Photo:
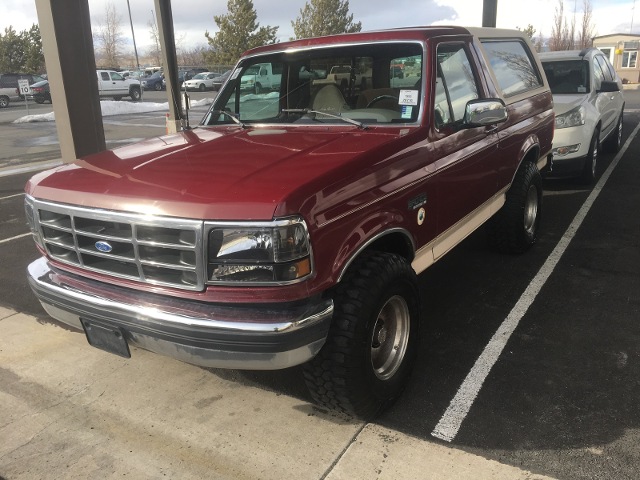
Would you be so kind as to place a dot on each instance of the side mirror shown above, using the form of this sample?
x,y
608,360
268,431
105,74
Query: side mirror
x,y
485,112
609,86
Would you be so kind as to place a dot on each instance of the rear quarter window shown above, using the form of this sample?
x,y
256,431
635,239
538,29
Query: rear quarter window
x,y
512,66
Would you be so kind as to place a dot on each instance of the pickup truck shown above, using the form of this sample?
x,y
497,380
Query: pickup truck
x,y
291,229
113,84
261,78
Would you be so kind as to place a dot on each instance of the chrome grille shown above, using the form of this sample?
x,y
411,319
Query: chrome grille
x,y
149,249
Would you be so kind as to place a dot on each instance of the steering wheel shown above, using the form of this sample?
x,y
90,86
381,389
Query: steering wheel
x,y
379,98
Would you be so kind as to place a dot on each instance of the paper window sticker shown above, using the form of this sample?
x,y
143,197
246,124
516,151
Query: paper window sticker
x,y
408,97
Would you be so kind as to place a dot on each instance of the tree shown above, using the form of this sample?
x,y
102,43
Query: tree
x,y
21,52
238,31
587,29
11,51
529,31
324,17
109,37
155,51
33,54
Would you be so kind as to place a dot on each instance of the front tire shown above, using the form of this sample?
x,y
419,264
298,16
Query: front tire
x,y
514,229
614,142
135,94
373,340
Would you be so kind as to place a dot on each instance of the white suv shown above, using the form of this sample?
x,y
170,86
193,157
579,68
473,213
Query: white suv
x,y
588,102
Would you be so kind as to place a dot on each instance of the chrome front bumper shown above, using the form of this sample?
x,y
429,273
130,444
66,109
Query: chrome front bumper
x,y
251,337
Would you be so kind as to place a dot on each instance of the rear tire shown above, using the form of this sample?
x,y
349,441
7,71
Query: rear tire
x,y
514,229
373,340
588,174
4,101
202,87
614,142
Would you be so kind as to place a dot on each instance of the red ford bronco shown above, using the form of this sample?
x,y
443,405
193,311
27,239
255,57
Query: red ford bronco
x,y
289,227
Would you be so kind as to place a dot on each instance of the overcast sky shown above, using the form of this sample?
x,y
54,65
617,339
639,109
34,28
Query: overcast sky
x,y
193,17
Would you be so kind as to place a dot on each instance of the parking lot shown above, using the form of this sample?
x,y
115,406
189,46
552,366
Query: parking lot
x,y
560,401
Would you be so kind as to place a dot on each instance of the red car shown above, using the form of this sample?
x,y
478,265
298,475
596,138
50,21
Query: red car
x,y
289,227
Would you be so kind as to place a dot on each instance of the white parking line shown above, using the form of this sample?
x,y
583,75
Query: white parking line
x,y
11,196
15,238
448,426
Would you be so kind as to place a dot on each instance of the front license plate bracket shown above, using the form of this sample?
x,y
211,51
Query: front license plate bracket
x,y
106,337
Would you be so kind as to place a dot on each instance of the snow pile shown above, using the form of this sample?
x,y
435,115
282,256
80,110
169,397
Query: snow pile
x,y
110,107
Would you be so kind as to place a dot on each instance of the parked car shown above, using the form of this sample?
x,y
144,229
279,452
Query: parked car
x,y
40,92
9,86
219,81
589,104
154,82
289,229
112,84
201,81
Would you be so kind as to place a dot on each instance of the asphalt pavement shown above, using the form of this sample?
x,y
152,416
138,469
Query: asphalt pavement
x,y
559,402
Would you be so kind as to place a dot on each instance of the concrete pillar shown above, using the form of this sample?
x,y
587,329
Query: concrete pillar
x,y
170,63
67,42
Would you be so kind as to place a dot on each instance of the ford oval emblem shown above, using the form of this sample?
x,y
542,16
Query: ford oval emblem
x,y
103,246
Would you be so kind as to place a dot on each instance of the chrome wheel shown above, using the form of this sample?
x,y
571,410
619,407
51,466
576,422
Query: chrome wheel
x,y
531,210
390,337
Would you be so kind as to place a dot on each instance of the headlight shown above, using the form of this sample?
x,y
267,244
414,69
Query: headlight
x,y
572,118
259,253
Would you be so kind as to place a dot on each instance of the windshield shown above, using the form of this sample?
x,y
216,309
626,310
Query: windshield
x,y
330,85
199,76
567,76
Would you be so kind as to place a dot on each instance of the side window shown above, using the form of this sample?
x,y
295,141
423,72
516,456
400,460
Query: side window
x,y
104,76
455,84
598,75
116,76
605,68
512,65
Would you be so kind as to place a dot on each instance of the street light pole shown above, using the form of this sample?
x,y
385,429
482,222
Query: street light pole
x,y
134,37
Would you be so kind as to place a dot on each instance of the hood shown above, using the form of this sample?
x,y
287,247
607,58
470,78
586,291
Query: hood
x,y
220,174
565,102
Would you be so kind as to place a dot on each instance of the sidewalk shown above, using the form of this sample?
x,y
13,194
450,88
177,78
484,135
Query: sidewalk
x,y
71,411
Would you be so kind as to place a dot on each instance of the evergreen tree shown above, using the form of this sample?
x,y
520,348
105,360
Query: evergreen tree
x,y
11,51
324,17
33,54
238,32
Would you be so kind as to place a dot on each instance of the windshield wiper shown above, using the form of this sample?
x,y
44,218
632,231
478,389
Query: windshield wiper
x,y
232,117
332,115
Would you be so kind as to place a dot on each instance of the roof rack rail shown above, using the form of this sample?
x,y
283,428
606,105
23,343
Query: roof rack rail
x,y
586,50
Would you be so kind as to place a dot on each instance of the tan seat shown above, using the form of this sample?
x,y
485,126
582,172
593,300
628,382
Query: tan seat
x,y
329,99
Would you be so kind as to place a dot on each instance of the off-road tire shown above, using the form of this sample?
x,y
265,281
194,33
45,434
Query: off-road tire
x,y
373,340
614,142
514,229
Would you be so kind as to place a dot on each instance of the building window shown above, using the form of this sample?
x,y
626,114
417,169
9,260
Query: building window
x,y
629,59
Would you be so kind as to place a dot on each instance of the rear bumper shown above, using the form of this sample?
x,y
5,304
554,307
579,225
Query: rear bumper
x,y
254,337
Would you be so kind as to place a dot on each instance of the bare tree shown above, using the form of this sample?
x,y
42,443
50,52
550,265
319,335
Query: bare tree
x,y
587,29
155,52
109,37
